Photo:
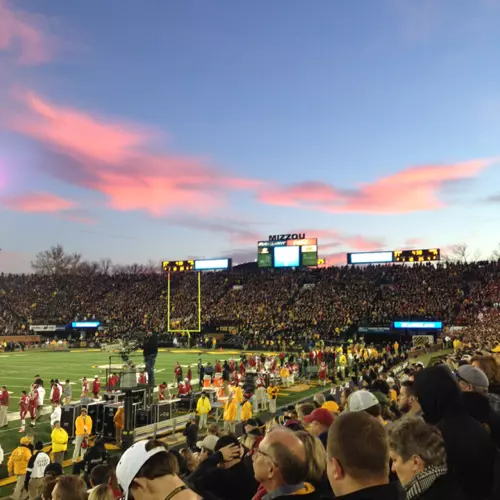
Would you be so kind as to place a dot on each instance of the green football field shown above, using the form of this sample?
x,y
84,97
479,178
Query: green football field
x,y
17,371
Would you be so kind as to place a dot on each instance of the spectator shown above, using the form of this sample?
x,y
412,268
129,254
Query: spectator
x,y
419,460
365,401
305,409
469,449
320,420
280,465
316,464
100,475
492,370
150,351
319,399
101,492
211,438
69,487
223,474
407,401
474,385
49,483
35,471
358,459
147,471
191,433
94,456
17,465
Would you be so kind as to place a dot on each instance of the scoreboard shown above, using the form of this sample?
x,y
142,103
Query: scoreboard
x,y
427,255
388,257
177,266
288,253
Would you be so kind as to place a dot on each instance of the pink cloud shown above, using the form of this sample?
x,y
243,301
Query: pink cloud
x,y
113,158
410,190
331,238
412,242
25,34
38,203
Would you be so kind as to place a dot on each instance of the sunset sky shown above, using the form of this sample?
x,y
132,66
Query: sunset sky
x,y
175,129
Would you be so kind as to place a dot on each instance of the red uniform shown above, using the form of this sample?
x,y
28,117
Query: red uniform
x,y
182,390
190,375
242,368
251,362
188,387
142,379
33,403
161,392
113,382
56,394
96,387
218,367
4,398
85,388
232,366
322,371
24,404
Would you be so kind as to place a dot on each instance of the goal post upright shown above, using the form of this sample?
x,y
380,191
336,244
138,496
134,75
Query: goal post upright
x,y
198,330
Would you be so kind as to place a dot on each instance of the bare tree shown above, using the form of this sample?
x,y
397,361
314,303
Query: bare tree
x,y
89,268
458,253
495,255
56,261
152,267
105,265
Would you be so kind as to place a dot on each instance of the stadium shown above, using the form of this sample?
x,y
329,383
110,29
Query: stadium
x,y
249,250
283,321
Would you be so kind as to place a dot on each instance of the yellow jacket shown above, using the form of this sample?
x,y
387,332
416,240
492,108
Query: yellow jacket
x,y
246,411
82,427
272,392
18,461
230,411
203,406
59,440
119,418
238,394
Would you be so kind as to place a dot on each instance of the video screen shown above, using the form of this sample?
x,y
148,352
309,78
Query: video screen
x,y
286,256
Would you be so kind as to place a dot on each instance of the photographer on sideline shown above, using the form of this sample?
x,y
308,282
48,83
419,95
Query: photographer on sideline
x,y
150,351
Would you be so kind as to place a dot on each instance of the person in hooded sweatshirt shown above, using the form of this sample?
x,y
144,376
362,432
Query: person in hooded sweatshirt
x,y
469,449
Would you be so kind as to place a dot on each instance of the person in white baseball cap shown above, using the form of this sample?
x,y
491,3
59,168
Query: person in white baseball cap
x,y
367,402
148,471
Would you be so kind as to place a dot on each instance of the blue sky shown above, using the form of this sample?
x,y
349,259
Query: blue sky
x,y
164,130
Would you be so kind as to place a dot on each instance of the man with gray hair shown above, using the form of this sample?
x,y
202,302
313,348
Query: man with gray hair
x,y
280,465
474,384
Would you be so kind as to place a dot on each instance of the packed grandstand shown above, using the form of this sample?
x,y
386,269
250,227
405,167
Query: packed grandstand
x,y
384,428
261,301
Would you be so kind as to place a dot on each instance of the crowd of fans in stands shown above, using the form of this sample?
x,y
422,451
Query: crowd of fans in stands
x,y
395,433
260,302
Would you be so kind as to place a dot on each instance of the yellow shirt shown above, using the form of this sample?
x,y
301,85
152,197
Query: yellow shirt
x,y
230,411
246,411
238,394
203,406
59,439
83,426
272,392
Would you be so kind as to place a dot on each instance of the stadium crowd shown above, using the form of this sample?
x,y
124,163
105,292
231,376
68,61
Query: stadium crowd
x,y
394,432
259,302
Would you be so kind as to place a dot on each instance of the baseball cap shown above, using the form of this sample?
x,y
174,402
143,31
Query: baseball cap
x,y
208,443
473,375
321,415
331,406
131,462
361,401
